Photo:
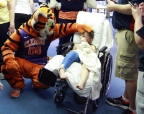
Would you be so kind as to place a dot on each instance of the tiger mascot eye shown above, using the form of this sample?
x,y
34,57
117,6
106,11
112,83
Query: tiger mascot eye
x,y
25,51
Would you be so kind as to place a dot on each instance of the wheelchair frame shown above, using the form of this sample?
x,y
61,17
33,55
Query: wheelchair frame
x,y
106,71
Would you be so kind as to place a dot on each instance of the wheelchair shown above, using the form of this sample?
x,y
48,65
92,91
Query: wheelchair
x,y
51,78
106,72
106,61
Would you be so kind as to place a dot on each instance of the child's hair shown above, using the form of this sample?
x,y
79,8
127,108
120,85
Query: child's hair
x,y
91,34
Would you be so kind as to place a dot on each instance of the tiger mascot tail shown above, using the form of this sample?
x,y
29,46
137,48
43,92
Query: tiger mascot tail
x,y
25,51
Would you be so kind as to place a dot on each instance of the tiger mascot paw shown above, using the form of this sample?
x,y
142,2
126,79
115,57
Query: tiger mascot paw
x,y
82,28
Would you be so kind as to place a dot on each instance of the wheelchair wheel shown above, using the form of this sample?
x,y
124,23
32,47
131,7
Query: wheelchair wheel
x,y
65,84
107,71
59,97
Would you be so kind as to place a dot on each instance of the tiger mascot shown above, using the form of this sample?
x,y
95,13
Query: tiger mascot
x,y
25,51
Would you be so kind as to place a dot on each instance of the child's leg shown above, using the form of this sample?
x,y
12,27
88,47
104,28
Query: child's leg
x,y
1,86
62,73
84,77
71,57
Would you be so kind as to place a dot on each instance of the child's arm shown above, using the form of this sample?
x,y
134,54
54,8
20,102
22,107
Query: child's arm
x,y
75,46
92,47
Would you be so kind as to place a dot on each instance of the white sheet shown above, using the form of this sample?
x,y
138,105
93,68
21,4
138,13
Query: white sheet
x,y
73,72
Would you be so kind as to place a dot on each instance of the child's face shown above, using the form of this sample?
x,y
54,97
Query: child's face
x,y
85,37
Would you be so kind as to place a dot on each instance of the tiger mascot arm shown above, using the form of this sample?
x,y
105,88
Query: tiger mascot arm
x,y
61,30
10,46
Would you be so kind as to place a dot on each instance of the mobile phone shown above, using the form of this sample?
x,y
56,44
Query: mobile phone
x,y
131,4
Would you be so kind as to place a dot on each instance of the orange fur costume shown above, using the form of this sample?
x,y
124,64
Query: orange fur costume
x,y
24,52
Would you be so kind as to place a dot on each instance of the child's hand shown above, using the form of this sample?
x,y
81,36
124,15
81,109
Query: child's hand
x,y
83,40
1,86
11,30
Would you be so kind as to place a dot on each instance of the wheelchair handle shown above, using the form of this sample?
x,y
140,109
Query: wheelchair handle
x,y
103,49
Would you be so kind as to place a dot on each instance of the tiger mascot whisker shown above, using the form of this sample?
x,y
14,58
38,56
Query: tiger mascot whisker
x,y
25,51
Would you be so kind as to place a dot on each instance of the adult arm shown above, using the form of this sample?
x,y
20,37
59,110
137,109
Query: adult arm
x,y
121,8
11,5
32,5
138,27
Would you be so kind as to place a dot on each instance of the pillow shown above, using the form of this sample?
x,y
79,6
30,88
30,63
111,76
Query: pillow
x,y
96,21
107,37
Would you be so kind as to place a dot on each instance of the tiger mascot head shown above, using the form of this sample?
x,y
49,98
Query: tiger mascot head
x,y
43,21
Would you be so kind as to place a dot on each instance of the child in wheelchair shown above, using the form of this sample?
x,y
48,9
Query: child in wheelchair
x,y
73,56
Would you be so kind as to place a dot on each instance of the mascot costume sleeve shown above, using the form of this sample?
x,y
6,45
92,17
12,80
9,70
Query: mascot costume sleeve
x,y
25,51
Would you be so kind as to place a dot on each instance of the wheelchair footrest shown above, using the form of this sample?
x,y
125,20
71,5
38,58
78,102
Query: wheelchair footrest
x,y
47,77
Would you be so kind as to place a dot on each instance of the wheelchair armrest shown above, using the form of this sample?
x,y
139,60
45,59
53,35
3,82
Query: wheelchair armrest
x,y
67,44
66,51
101,54
67,47
102,50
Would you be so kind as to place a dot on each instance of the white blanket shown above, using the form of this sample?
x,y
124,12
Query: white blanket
x,y
73,72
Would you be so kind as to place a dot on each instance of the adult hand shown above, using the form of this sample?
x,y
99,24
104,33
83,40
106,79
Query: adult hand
x,y
110,5
141,7
136,12
11,30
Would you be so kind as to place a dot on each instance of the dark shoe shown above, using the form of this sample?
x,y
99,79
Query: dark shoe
x,y
127,111
117,102
15,93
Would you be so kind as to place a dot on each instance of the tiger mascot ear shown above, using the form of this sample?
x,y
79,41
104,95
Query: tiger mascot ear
x,y
43,21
